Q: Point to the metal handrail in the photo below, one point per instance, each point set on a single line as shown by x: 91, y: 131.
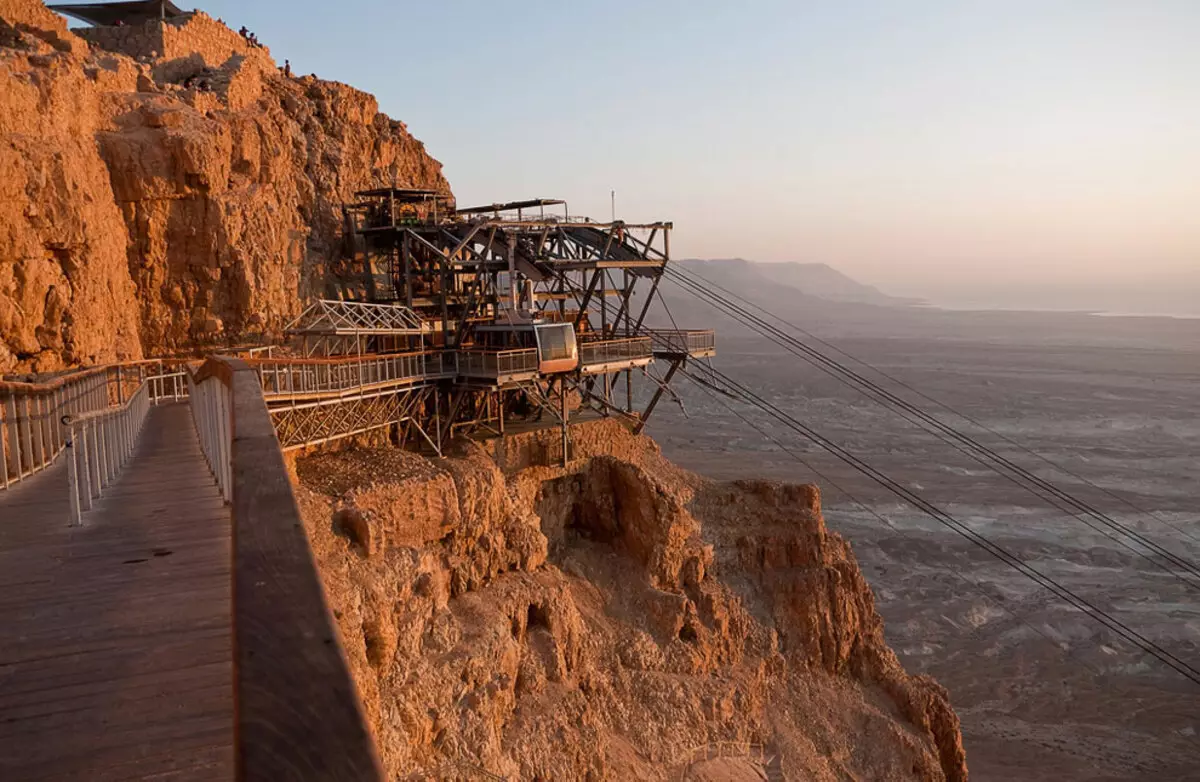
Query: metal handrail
x: 284, y: 632
x: 494, y: 363
x: 682, y: 340
x: 32, y: 431
x: 607, y: 350
x: 100, y: 442
x: 306, y: 376
x: 212, y: 413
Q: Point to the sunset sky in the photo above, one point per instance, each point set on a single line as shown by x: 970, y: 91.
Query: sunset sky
x: 919, y: 146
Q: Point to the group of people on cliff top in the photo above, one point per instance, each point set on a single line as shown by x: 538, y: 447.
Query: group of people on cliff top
x: 249, y: 37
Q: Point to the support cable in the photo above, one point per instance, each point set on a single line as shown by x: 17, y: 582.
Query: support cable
x: 717, y: 393
x: 933, y: 400
x: 1016, y: 474
x: 942, y: 517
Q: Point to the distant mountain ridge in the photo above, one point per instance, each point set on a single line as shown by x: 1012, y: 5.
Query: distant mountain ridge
x: 813, y: 279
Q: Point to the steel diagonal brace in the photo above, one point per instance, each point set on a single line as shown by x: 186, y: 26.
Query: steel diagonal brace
x: 663, y: 386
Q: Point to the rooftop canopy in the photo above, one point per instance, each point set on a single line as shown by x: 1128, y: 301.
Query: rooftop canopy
x: 329, y: 316
x: 474, y: 210
x: 107, y: 14
x: 402, y: 194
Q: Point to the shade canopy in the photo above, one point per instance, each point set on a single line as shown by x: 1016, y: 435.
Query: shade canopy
x: 510, y: 205
x: 107, y: 14
x: 331, y: 316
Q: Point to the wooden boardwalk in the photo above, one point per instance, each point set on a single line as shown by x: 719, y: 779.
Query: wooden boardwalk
x: 116, y: 638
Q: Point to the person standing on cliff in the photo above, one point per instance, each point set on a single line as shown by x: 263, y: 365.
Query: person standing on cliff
x: 287, y: 68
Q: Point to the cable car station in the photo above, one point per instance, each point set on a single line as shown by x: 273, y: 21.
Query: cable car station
x: 470, y: 321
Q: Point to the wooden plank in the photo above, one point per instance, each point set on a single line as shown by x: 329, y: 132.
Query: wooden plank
x: 78, y: 756
x: 119, y: 709
x: 28, y: 679
x: 200, y: 765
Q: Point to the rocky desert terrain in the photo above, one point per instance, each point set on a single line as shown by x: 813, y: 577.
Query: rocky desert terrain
x: 1043, y: 692
x: 618, y: 618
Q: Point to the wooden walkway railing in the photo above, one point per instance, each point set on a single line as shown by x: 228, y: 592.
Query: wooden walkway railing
x: 297, y: 714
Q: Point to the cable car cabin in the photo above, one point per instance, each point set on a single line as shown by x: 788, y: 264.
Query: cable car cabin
x: 555, y: 343
x: 557, y: 350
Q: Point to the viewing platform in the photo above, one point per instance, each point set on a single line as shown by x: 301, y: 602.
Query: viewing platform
x: 681, y: 344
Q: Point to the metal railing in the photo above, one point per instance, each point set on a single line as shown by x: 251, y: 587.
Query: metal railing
x: 292, y: 684
x: 315, y: 376
x: 496, y: 363
x: 683, y: 341
x: 100, y: 441
x: 172, y: 385
x: 614, y: 350
x: 212, y: 413
x: 554, y: 316
x: 32, y: 428
x: 99, y: 445
x: 32, y: 433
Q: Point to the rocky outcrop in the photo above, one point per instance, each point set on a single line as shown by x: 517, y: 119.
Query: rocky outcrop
x: 157, y: 204
x: 615, y: 619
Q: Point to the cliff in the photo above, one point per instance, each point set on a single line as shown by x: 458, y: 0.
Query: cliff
x: 616, y: 619
x: 165, y: 186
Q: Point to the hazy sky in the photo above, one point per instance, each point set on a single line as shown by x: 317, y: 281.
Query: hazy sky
x: 916, y: 145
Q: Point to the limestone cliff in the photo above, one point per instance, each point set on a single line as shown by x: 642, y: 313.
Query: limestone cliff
x: 189, y: 194
x: 616, y: 619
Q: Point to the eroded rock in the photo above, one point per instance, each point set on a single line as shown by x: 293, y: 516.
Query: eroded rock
x: 171, y: 187
x: 611, y: 617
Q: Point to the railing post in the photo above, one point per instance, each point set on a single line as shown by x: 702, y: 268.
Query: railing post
x: 14, y: 436
x: 126, y: 433
x: 48, y: 426
x: 227, y: 484
x: 57, y: 438
x: 28, y: 443
x: 106, y: 447
x: 73, y: 485
x: 96, y: 457
x: 87, y: 471
x: 218, y: 435
x: 113, y: 447
x: 3, y: 449
x: 35, y: 430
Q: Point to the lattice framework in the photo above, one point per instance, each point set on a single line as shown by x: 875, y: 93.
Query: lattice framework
x: 330, y: 316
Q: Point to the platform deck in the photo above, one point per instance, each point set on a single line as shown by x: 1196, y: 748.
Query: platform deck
x: 116, y: 653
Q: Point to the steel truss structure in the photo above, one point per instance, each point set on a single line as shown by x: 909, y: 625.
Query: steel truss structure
x: 330, y: 327
x: 474, y: 287
x: 311, y: 423
x: 329, y: 316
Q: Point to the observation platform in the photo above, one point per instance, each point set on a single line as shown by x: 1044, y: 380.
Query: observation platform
x: 679, y: 344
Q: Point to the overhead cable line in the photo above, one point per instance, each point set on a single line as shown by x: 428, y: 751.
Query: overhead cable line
x: 942, y: 517
x: 933, y: 400
x: 1039, y: 487
x: 719, y: 396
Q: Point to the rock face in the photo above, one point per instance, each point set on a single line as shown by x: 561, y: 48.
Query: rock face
x: 616, y: 619
x: 189, y: 196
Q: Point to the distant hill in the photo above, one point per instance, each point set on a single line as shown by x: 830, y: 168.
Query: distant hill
x: 813, y: 279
